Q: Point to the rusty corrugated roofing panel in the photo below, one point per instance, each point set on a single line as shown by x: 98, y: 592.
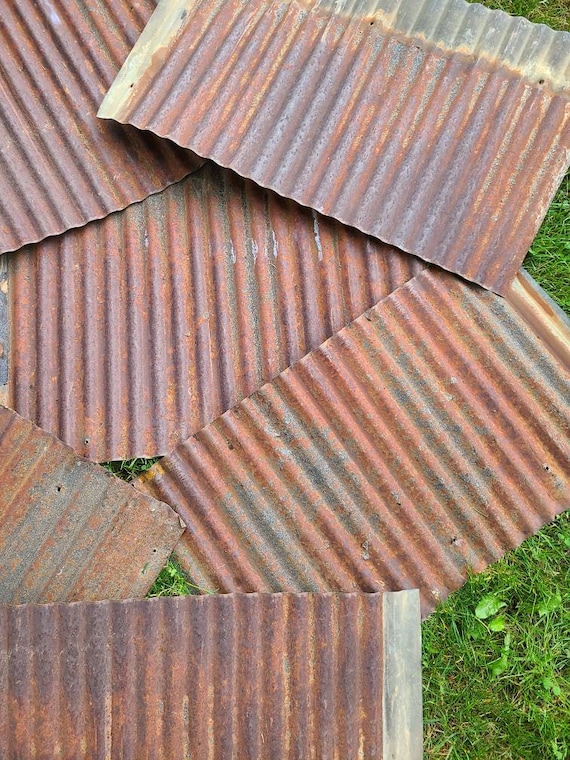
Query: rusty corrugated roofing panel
x: 429, y: 436
x: 196, y: 297
x: 548, y: 321
x: 440, y: 127
x: 60, y: 167
x: 68, y: 528
x: 240, y: 676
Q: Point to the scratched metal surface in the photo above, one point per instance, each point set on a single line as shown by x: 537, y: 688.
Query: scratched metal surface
x: 130, y: 334
x: 240, y: 676
x: 60, y: 167
x: 429, y: 436
x: 68, y: 528
x: 442, y: 128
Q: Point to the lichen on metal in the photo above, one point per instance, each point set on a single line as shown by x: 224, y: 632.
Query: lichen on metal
x: 60, y: 167
x: 426, y: 439
x: 254, y: 676
x: 196, y: 297
x: 441, y: 129
x: 70, y: 529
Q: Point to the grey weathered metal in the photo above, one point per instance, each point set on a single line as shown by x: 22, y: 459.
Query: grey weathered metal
x: 133, y: 332
x: 70, y: 529
x: 226, y: 677
x: 59, y: 166
x: 428, y: 437
x: 440, y: 127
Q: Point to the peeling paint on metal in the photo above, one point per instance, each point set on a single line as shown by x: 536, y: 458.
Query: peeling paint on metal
x: 240, y: 676
x: 428, y: 437
x: 451, y: 154
x: 60, y: 167
x: 196, y: 297
x: 69, y: 529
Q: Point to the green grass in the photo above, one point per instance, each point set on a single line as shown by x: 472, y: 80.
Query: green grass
x: 503, y: 693
x: 554, y: 13
x: 496, y: 688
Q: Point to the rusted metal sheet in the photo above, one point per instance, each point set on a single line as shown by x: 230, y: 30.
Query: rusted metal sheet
x: 428, y: 437
x: 60, y: 167
x: 439, y: 127
x: 196, y: 297
x: 236, y: 676
x: 68, y: 528
x: 547, y: 320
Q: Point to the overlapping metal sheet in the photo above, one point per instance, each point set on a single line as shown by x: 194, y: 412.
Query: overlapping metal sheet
x: 196, y: 297
x: 60, y: 167
x: 68, y: 528
x: 428, y: 437
x: 547, y: 320
x: 440, y: 127
x: 232, y: 677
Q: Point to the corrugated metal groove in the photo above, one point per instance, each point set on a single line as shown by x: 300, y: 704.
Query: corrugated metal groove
x: 450, y: 154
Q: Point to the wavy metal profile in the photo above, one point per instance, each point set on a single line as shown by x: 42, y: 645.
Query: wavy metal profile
x: 253, y: 676
x: 128, y: 335
x: 428, y: 437
x: 70, y: 529
x: 59, y: 166
x: 442, y: 128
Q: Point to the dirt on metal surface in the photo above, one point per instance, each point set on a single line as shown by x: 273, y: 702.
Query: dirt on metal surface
x: 428, y: 437
x: 197, y: 297
x: 60, y: 167
x: 68, y: 528
x: 240, y: 676
x: 442, y: 128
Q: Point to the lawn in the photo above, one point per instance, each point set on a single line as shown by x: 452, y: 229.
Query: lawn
x: 496, y: 655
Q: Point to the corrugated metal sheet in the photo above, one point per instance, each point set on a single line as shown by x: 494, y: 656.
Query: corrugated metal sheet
x: 68, y: 528
x: 437, y: 126
x: 429, y: 436
x: 60, y: 167
x: 196, y: 297
x: 547, y: 320
x: 228, y: 677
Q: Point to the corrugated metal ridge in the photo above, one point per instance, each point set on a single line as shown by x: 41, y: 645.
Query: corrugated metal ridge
x: 196, y: 297
x: 429, y: 436
x: 60, y: 167
x: 446, y: 155
x: 241, y: 676
x: 68, y: 528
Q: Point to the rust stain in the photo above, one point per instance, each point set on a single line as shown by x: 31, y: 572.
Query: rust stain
x: 60, y: 167
x: 69, y: 529
x: 453, y: 157
x: 550, y: 324
x: 198, y: 295
x: 428, y: 437
x: 235, y: 676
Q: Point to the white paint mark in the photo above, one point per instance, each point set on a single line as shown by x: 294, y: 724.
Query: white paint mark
x: 146, y: 240
x: 254, y: 250
x: 233, y: 252
x: 317, y: 235
x: 275, y: 244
